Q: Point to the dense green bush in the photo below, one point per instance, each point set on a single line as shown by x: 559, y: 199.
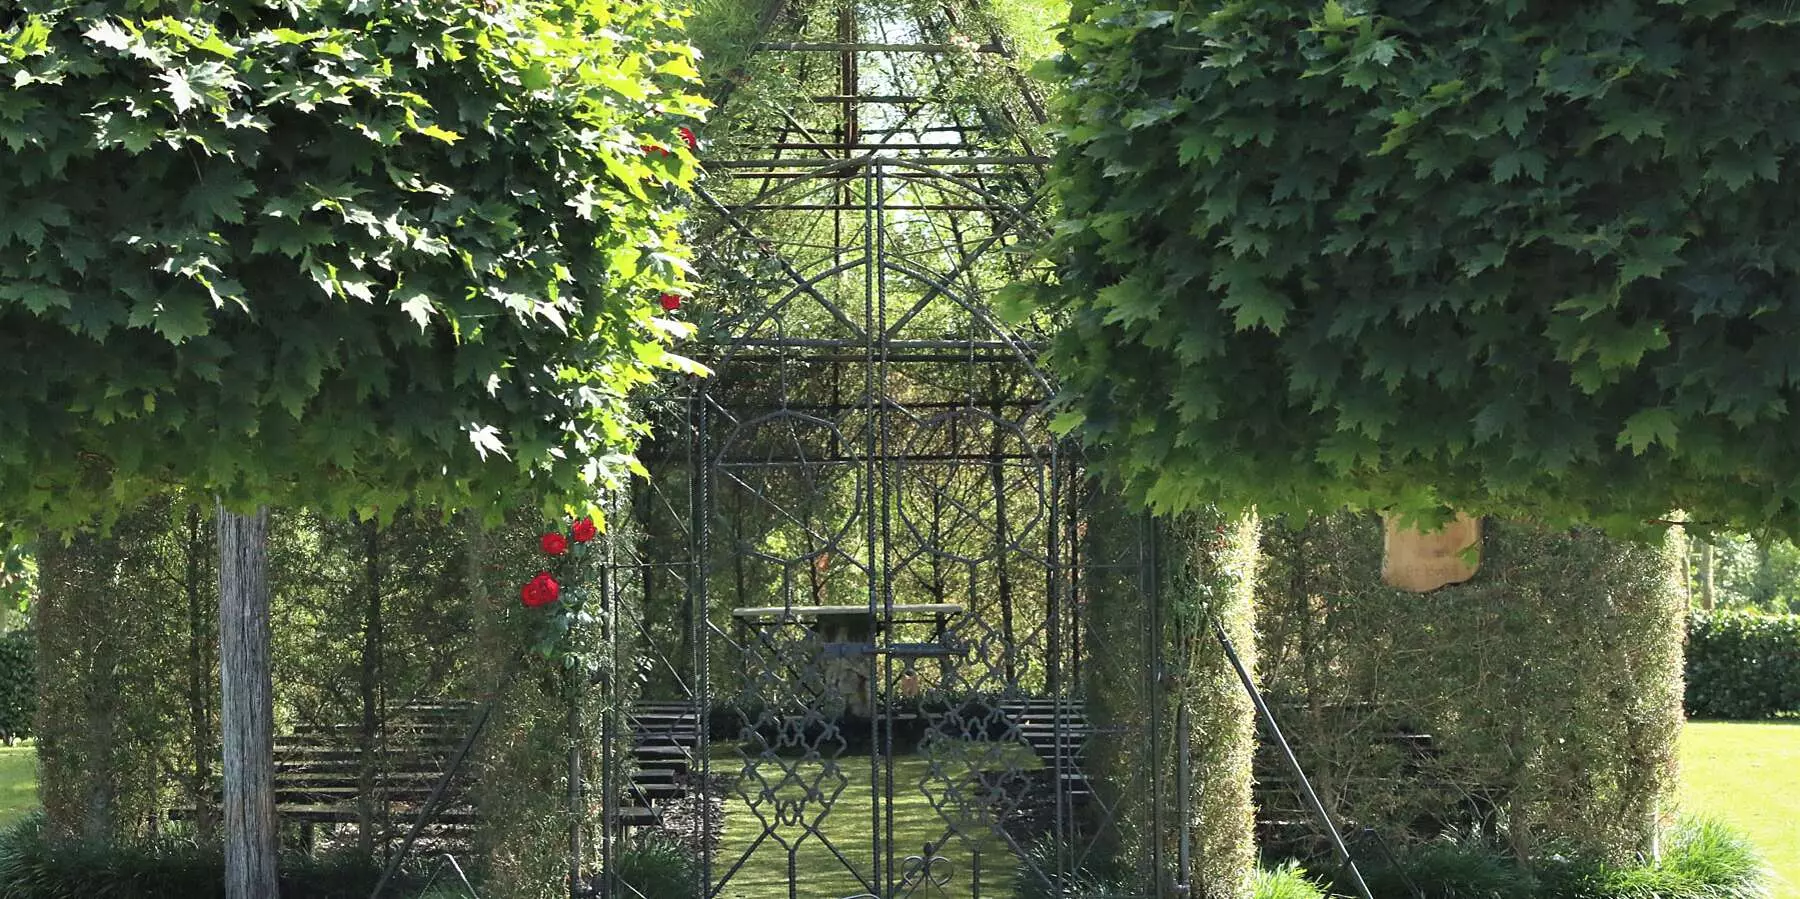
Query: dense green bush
x: 18, y: 688
x: 1526, y: 258
x: 1451, y: 869
x: 1539, y: 702
x: 1743, y: 664
x: 35, y: 865
x: 1703, y: 860
x: 1098, y: 877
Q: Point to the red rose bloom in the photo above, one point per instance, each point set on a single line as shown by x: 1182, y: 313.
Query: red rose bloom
x: 584, y: 530
x: 670, y: 302
x: 540, y: 591
x: 687, y: 134
x: 554, y: 544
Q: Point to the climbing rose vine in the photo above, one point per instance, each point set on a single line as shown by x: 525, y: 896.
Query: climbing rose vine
x: 560, y: 592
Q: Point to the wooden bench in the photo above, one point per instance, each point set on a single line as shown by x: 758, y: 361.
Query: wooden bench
x: 319, y: 772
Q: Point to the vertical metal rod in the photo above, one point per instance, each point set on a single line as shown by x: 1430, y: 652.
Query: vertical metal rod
x: 610, y: 792
x: 700, y: 630
x: 881, y: 858
x: 1150, y: 586
x: 1184, y: 788
x: 1060, y: 749
x: 1306, y: 788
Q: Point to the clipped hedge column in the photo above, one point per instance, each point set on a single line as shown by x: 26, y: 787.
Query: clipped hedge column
x: 1207, y: 563
x: 1549, y: 686
x: 1174, y: 758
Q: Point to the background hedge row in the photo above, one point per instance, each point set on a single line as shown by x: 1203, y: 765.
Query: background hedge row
x: 1743, y: 664
x: 18, y: 696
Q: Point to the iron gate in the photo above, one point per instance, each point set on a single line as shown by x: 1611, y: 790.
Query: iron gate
x: 882, y: 598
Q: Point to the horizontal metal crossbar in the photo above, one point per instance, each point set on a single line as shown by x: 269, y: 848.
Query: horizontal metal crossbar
x: 824, y: 343
x: 861, y: 47
x: 878, y: 161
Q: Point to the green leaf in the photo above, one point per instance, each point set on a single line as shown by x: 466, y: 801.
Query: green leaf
x: 107, y: 33
x: 1650, y: 427
x: 180, y: 90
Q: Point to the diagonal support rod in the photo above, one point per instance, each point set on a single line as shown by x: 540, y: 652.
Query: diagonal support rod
x: 432, y: 801
x: 1306, y: 788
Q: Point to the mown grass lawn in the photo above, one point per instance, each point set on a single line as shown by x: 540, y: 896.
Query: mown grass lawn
x: 1747, y: 774
x: 18, y: 782
x: 784, y: 837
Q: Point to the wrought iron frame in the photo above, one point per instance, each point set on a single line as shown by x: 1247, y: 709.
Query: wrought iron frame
x: 851, y: 248
x: 798, y: 684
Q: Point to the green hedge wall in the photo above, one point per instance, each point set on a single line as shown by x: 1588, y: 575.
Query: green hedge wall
x: 1743, y: 665
x: 18, y: 690
x: 1537, y: 704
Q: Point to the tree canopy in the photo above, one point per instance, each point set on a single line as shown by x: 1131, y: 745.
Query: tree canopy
x: 333, y: 252
x: 1510, y: 257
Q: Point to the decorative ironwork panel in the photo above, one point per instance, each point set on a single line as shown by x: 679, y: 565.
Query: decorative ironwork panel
x: 866, y: 571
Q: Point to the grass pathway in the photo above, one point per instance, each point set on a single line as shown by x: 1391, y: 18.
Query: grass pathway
x: 780, y: 839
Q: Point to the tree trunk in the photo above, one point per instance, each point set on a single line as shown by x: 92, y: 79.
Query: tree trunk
x: 247, y: 711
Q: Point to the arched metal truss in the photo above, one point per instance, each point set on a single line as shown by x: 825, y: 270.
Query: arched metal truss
x: 871, y: 572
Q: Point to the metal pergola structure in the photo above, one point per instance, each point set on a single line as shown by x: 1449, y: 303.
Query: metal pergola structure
x: 873, y: 676
x: 892, y: 640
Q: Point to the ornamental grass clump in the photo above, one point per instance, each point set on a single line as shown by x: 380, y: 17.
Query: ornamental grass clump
x: 1288, y: 881
x: 1705, y: 859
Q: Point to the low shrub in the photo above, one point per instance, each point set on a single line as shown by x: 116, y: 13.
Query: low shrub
x: 1288, y: 881
x: 33, y: 865
x: 1743, y: 665
x: 1451, y: 869
x: 1098, y: 878
x: 660, y: 868
x: 1704, y: 860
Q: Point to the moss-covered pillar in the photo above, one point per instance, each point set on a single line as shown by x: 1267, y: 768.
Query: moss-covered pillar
x: 518, y: 766
x: 77, y: 695
x: 109, y: 630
